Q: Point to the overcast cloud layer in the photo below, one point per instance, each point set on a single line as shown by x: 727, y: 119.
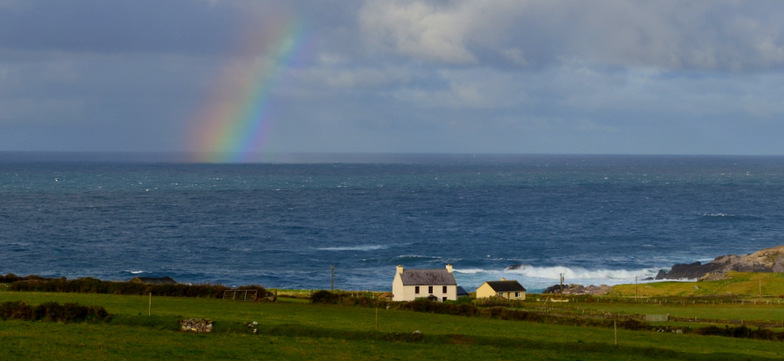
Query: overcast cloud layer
x: 480, y: 76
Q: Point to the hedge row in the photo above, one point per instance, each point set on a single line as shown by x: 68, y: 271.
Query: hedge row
x: 93, y: 285
x: 467, y: 308
x: 741, y: 332
x: 499, y: 309
x: 52, y: 311
x: 505, y: 313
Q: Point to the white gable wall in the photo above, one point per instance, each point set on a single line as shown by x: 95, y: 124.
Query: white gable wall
x: 398, y: 290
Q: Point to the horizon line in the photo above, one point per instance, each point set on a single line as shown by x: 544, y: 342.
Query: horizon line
x: 185, y: 157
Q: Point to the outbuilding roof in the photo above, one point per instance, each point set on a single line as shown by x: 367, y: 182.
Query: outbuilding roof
x: 418, y: 277
x: 506, y: 286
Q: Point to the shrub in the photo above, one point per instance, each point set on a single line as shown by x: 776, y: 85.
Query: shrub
x: 632, y: 324
x: 324, y: 297
x: 348, y: 299
x: 93, y: 285
x: 16, y: 310
x: 424, y: 305
x: 52, y: 311
x: 9, y: 278
x: 741, y: 332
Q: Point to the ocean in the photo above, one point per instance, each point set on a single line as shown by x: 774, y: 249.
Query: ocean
x: 594, y: 219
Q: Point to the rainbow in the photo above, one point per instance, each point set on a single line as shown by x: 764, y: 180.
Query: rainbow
x: 235, y: 121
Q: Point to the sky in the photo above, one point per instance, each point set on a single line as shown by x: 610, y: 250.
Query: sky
x: 233, y: 80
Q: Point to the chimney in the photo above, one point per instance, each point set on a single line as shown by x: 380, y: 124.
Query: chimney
x: 449, y: 268
x: 400, y: 269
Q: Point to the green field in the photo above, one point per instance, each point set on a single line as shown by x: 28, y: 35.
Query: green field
x: 293, y: 329
x: 765, y: 285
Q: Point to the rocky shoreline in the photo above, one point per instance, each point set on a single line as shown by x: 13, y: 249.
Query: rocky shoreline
x: 770, y: 260
x: 575, y: 289
x: 766, y: 260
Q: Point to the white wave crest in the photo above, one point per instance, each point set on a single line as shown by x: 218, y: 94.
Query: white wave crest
x: 415, y: 256
x: 136, y: 272
x: 718, y: 215
x: 471, y: 270
x: 353, y: 248
x: 579, y: 273
x: 536, y: 279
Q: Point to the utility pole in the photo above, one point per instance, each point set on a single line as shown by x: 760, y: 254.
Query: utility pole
x: 635, y: 288
x: 562, y: 281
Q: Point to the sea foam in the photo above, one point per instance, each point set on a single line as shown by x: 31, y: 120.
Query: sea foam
x: 536, y: 279
x: 354, y: 248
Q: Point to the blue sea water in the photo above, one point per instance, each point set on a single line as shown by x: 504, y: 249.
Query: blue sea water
x: 596, y: 219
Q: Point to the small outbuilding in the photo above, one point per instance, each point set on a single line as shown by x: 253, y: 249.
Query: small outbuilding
x: 511, y: 290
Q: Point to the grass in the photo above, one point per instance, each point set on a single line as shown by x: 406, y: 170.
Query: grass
x: 738, y: 283
x: 293, y: 330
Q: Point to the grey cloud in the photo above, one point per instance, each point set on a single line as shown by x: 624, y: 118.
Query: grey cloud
x: 118, y: 26
x: 681, y: 35
x: 417, y: 28
x: 667, y: 34
x: 475, y: 88
x: 402, y: 75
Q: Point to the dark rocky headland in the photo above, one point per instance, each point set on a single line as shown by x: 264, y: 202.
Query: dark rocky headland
x: 766, y: 260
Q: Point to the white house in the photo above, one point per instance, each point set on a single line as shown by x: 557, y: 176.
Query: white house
x: 436, y: 284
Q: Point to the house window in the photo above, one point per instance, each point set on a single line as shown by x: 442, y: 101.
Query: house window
x: 416, y: 289
x: 430, y: 289
x: 444, y: 290
x: 517, y: 294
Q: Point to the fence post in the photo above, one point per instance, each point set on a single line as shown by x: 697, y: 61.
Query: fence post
x: 615, y: 329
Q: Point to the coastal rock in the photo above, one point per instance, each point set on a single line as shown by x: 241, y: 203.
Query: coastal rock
x: 598, y: 290
x: 662, y: 273
x: 575, y: 289
x: 515, y: 267
x: 766, y: 260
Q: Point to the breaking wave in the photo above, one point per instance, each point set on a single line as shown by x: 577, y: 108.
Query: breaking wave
x: 536, y: 279
x: 719, y: 216
x: 353, y: 248
x: 579, y: 273
x: 471, y: 271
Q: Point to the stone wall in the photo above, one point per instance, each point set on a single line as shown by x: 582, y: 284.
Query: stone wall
x: 197, y: 325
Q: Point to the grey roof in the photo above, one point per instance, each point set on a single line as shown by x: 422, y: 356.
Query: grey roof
x: 440, y: 277
x: 506, y: 286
